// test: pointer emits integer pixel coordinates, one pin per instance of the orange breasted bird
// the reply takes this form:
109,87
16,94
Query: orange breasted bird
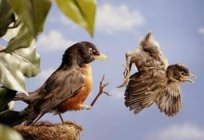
68,87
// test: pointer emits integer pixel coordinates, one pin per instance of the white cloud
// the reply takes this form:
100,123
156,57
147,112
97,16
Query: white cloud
54,40
201,31
44,74
181,132
111,19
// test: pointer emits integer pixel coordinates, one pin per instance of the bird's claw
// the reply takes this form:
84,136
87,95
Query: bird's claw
106,93
126,77
101,91
86,107
126,72
102,86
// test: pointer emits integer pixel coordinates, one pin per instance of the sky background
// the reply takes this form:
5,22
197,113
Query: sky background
178,26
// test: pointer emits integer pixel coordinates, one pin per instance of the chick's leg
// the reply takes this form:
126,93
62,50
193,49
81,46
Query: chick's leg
127,66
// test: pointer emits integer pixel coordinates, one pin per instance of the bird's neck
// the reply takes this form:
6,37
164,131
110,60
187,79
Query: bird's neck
87,70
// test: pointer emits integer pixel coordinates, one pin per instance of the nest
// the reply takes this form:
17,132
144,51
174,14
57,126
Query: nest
48,131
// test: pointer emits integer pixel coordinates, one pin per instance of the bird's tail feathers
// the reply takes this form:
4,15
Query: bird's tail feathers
33,115
27,99
22,97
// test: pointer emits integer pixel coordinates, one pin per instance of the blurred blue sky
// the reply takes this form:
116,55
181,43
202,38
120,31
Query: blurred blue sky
178,25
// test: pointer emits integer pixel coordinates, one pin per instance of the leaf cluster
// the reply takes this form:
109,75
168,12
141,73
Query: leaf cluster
21,21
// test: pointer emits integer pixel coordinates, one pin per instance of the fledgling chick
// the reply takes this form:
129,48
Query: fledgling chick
155,81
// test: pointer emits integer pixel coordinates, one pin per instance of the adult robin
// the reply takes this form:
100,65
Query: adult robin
68,87
156,81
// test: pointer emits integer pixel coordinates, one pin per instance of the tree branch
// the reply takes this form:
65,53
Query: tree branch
101,91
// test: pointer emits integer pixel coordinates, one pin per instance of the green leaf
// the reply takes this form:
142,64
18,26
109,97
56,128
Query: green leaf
81,12
7,133
14,66
32,13
23,39
9,117
6,95
11,33
6,17
12,118
29,60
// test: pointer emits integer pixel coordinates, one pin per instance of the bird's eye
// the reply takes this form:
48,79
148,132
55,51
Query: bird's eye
90,50
182,73
93,51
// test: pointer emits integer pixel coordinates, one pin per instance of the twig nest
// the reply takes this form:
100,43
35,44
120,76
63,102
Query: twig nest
49,131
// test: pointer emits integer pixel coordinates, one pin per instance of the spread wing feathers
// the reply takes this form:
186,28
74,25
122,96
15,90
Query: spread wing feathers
170,101
56,89
142,90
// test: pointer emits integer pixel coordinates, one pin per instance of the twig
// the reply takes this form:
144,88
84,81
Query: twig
101,90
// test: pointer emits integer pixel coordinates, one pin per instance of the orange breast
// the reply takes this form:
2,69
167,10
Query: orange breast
74,103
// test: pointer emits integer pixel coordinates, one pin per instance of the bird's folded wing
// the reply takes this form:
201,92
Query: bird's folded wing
60,87
170,101
142,90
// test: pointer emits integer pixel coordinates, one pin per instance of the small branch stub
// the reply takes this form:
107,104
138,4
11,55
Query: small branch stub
102,85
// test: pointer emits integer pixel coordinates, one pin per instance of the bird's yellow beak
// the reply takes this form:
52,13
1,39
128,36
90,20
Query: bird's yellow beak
102,57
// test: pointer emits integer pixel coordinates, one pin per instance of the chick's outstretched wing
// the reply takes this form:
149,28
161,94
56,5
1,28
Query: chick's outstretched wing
143,89
170,101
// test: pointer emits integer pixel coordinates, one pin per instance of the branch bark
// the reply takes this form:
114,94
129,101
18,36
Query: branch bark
102,85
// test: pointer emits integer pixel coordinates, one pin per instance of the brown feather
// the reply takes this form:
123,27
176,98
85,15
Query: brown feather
170,103
139,95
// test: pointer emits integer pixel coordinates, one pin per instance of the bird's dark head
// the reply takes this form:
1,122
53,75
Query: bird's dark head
179,73
82,53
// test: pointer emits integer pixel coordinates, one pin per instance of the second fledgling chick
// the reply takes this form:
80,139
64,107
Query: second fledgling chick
156,81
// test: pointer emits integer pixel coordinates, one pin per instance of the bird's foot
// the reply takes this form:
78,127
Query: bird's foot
126,74
102,85
125,82
85,107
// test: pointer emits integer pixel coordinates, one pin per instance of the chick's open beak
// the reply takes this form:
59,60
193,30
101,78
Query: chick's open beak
100,57
192,75
187,78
